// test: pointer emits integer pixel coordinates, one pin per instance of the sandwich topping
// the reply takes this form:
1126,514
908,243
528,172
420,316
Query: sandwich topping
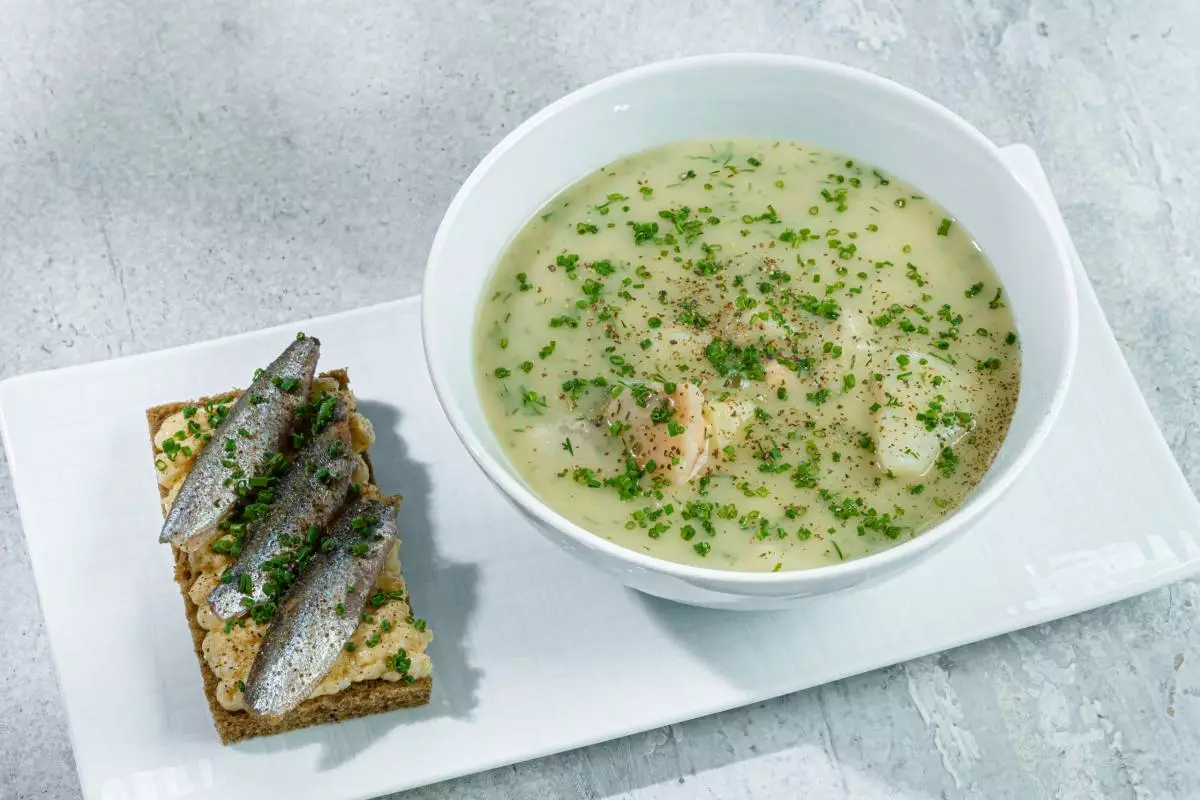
388,643
248,431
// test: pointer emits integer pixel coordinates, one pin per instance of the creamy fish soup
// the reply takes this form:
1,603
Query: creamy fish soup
752,355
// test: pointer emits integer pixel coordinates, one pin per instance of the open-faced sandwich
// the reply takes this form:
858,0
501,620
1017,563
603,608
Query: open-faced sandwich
286,552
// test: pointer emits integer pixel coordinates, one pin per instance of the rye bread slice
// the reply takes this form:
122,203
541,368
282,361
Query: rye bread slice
359,700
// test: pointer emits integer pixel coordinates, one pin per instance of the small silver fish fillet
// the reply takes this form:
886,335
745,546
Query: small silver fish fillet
264,412
311,493
322,610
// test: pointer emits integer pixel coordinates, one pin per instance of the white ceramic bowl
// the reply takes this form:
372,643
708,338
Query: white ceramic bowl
765,97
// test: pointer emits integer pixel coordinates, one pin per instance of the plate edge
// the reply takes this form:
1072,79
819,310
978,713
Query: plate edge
8,384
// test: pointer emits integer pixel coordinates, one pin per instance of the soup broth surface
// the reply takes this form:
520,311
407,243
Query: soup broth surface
748,355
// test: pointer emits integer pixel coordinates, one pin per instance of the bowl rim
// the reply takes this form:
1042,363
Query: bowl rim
844,572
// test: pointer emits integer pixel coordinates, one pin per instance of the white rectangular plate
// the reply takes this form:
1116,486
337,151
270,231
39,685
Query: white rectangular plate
534,653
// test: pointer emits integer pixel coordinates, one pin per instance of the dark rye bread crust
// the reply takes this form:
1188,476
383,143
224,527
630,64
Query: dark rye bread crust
359,700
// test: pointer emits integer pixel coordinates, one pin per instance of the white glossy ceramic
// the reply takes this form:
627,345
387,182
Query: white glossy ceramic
759,96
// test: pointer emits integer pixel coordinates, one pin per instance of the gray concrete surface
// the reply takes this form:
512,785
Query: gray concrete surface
173,171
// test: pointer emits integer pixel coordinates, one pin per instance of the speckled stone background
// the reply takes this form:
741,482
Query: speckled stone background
173,171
